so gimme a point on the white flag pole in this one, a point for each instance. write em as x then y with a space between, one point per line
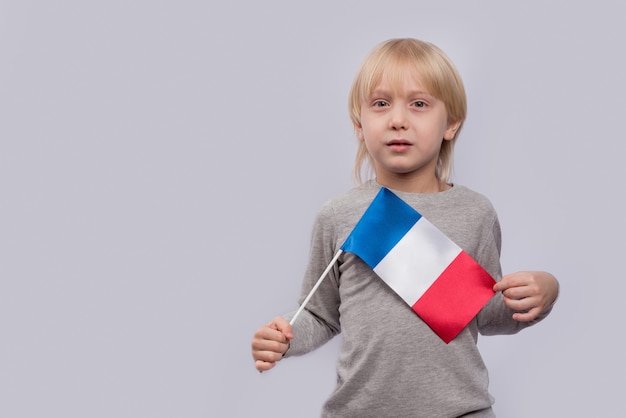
319 282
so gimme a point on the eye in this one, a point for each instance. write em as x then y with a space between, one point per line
419 103
380 103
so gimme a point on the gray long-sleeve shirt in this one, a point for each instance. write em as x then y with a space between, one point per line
391 364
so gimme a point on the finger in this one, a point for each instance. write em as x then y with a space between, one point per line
263 366
268 350
274 331
523 304
267 355
519 292
500 286
511 280
266 359
526 309
268 333
531 315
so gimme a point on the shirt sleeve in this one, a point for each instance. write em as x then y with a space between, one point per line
496 318
319 320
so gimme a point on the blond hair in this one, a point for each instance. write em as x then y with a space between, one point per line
432 67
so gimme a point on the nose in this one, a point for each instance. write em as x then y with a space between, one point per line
398 119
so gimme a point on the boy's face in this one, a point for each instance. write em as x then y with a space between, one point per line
403 127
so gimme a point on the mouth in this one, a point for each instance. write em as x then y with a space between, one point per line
399 145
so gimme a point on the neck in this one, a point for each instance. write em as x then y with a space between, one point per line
413 185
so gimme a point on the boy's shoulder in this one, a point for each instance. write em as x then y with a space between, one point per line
464 193
356 196
351 202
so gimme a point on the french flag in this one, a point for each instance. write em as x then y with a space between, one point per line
440 281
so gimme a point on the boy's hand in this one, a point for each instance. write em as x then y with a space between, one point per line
270 343
528 292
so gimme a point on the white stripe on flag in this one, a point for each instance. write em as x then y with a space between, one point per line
417 260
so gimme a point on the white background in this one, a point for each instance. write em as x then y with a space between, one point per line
161 163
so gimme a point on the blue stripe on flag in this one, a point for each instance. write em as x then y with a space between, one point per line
384 223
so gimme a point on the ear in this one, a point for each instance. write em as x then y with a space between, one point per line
451 130
359 132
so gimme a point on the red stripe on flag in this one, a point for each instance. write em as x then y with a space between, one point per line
455 297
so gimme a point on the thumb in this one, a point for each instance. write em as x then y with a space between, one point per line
281 324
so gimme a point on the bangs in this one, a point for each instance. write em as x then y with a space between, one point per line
393 66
